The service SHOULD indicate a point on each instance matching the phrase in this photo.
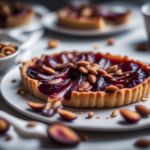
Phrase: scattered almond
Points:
(91, 114)
(22, 91)
(95, 46)
(119, 72)
(84, 136)
(113, 69)
(96, 65)
(143, 142)
(8, 138)
(112, 88)
(83, 70)
(80, 113)
(19, 62)
(144, 99)
(107, 117)
(107, 76)
(92, 71)
(31, 124)
(91, 78)
(142, 47)
(142, 110)
(101, 71)
(82, 63)
(111, 41)
(85, 85)
(71, 65)
(53, 43)
(48, 70)
(115, 113)
(97, 117)
(13, 81)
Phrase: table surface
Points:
(125, 45)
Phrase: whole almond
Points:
(84, 136)
(115, 113)
(143, 142)
(71, 65)
(96, 65)
(85, 85)
(32, 124)
(111, 41)
(82, 63)
(53, 43)
(119, 85)
(7, 53)
(60, 66)
(91, 78)
(142, 110)
(91, 114)
(119, 72)
(112, 88)
(48, 70)
(113, 69)
(101, 71)
(55, 81)
(107, 76)
(92, 71)
(144, 99)
(83, 70)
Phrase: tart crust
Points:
(91, 99)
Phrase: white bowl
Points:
(8, 61)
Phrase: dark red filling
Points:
(72, 79)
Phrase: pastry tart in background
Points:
(91, 16)
(15, 14)
(87, 79)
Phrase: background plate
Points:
(17, 102)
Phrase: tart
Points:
(15, 14)
(91, 16)
(87, 79)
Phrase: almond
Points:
(55, 81)
(91, 78)
(31, 124)
(113, 69)
(57, 104)
(13, 46)
(85, 85)
(82, 63)
(48, 106)
(119, 72)
(48, 70)
(22, 91)
(115, 113)
(142, 110)
(53, 43)
(101, 71)
(110, 41)
(91, 114)
(119, 86)
(2, 55)
(60, 66)
(143, 142)
(96, 65)
(7, 53)
(107, 76)
(71, 65)
(84, 136)
(112, 88)
(144, 99)
(92, 71)
(83, 70)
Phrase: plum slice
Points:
(67, 115)
(91, 58)
(104, 63)
(128, 66)
(63, 134)
(64, 58)
(130, 116)
(36, 106)
(48, 110)
(4, 126)
(83, 58)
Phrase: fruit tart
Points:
(88, 16)
(15, 14)
(87, 79)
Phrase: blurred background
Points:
(56, 4)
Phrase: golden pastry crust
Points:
(91, 99)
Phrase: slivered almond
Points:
(48, 106)
(119, 72)
(82, 63)
(119, 85)
(92, 71)
(115, 113)
(142, 110)
(91, 78)
(144, 99)
(112, 88)
(101, 71)
(57, 104)
(143, 142)
(31, 124)
(55, 81)
(113, 69)
(107, 76)
(71, 65)
(48, 70)
(83, 70)
(85, 85)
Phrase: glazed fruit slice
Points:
(67, 115)
(63, 134)
(36, 106)
(4, 126)
(130, 116)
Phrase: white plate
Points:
(17, 102)
(50, 22)
(35, 24)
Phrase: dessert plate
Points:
(17, 102)
(49, 21)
